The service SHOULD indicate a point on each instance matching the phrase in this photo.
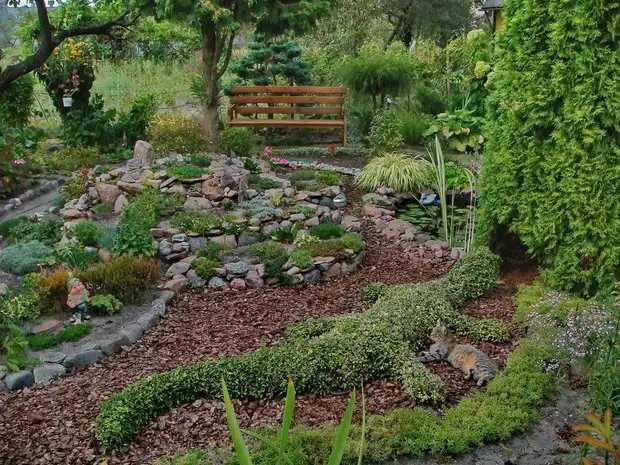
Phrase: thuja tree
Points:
(551, 171)
(219, 21)
(271, 62)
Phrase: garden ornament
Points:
(77, 299)
(340, 200)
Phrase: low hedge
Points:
(380, 343)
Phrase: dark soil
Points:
(55, 424)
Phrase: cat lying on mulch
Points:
(472, 361)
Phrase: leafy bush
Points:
(303, 174)
(24, 257)
(74, 187)
(301, 259)
(66, 159)
(133, 124)
(210, 250)
(204, 267)
(461, 129)
(47, 231)
(268, 250)
(185, 172)
(260, 208)
(7, 225)
(52, 291)
(319, 152)
(91, 126)
(125, 277)
(87, 232)
(104, 208)
(197, 222)
(305, 210)
(18, 308)
(375, 291)
(199, 160)
(69, 334)
(371, 345)
(413, 126)
(549, 138)
(107, 237)
(17, 101)
(75, 257)
(133, 240)
(105, 303)
(263, 183)
(385, 132)
(432, 102)
(396, 171)
(284, 234)
(334, 247)
(327, 230)
(251, 165)
(152, 201)
(238, 140)
(328, 178)
(177, 133)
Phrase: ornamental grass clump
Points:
(396, 171)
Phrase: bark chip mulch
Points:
(54, 424)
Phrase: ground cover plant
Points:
(320, 357)
(69, 334)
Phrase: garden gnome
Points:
(78, 299)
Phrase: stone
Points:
(227, 241)
(194, 281)
(53, 357)
(297, 217)
(117, 172)
(289, 192)
(297, 278)
(253, 280)
(221, 272)
(177, 268)
(334, 270)
(373, 211)
(105, 255)
(157, 232)
(177, 189)
(19, 380)
(385, 191)
(237, 284)
(178, 248)
(180, 237)
(236, 269)
(143, 152)
(132, 333)
(312, 276)
(217, 284)
(231, 194)
(4, 289)
(314, 221)
(114, 343)
(213, 193)
(436, 245)
(130, 187)
(286, 224)
(348, 267)
(49, 326)
(3, 371)
(130, 177)
(159, 175)
(70, 213)
(166, 296)
(159, 306)
(49, 371)
(83, 358)
(260, 269)
(227, 180)
(381, 201)
(177, 284)
(196, 204)
(251, 193)
(301, 196)
(165, 247)
(154, 183)
(292, 271)
(247, 238)
(148, 320)
(168, 182)
(120, 203)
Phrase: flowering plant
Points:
(267, 152)
(332, 148)
(283, 162)
(71, 85)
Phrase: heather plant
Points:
(301, 259)
(204, 267)
(197, 222)
(327, 230)
(328, 178)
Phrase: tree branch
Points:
(228, 52)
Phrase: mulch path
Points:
(54, 424)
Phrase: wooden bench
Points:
(251, 101)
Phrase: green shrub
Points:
(105, 303)
(549, 138)
(197, 222)
(47, 231)
(74, 187)
(185, 172)
(375, 291)
(7, 225)
(204, 267)
(301, 259)
(75, 257)
(107, 237)
(133, 240)
(69, 334)
(152, 201)
(238, 140)
(371, 345)
(385, 133)
(87, 232)
(461, 129)
(177, 133)
(327, 230)
(268, 250)
(204, 161)
(263, 183)
(133, 124)
(24, 257)
(284, 234)
(305, 210)
(303, 174)
(210, 250)
(396, 171)
(334, 247)
(18, 308)
(104, 208)
(260, 208)
(413, 126)
(327, 178)
(16, 102)
(319, 152)
(125, 277)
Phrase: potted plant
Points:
(68, 88)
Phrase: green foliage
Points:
(260, 208)
(66, 159)
(301, 259)
(327, 230)
(284, 234)
(375, 291)
(12, 344)
(87, 232)
(17, 101)
(268, 250)
(461, 129)
(46, 231)
(69, 334)
(75, 257)
(305, 210)
(199, 160)
(7, 225)
(374, 344)
(413, 126)
(20, 307)
(238, 140)
(74, 187)
(177, 133)
(91, 126)
(334, 247)
(303, 174)
(197, 222)
(24, 257)
(151, 201)
(328, 178)
(104, 208)
(396, 171)
(385, 132)
(210, 250)
(318, 152)
(132, 125)
(204, 267)
(185, 172)
(133, 240)
(263, 183)
(125, 277)
(105, 303)
(551, 157)
(251, 165)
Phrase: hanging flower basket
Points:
(67, 102)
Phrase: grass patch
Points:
(333, 247)
(327, 230)
(69, 334)
(263, 183)
(303, 175)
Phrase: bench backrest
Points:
(271, 100)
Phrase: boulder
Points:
(132, 332)
(114, 343)
(247, 238)
(217, 284)
(130, 188)
(53, 357)
(193, 280)
(70, 213)
(297, 278)
(236, 269)
(49, 371)
(177, 284)
(120, 203)
(196, 242)
(334, 270)
(237, 284)
(143, 152)
(49, 326)
(196, 204)
(177, 189)
(83, 358)
(165, 247)
(148, 320)
(19, 380)
(177, 268)
(312, 276)
(373, 211)
(227, 241)
(314, 221)
(213, 193)
(253, 280)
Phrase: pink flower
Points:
(19, 161)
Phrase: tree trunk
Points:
(210, 58)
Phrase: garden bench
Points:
(251, 101)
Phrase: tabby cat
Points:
(472, 361)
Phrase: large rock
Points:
(143, 152)
(83, 358)
(334, 270)
(108, 193)
(53, 357)
(196, 204)
(214, 193)
(19, 380)
(149, 320)
(248, 238)
(236, 269)
(373, 211)
(227, 241)
(253, 280)
(70, 213)
(194, 281)
(380, 200)
(312, 276)
(120, 203)
(217, 284)
(49, 326)
(196, 242)
(177, 189)
(237, 284)
(176, 284)
(132, 332)
(114, 343)
(177, 268)
(49, 371)
(131, 188)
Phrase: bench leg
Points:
(344, 137)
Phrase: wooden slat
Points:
(288, 123)
(287, 90)
(289, 110)
(286, 99)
